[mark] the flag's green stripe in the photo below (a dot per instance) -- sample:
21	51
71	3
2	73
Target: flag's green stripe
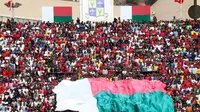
62	18
141	18
156	101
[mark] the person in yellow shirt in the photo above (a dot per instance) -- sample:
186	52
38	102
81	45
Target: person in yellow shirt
198	101
48	69
94	56
98	64
197	33
198	71
141	60
184	49
192	32
91	56
182	77
155	68
46	33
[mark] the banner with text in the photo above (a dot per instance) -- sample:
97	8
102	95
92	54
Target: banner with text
96	10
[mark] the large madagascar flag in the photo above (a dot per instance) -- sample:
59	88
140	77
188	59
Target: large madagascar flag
57	14
136	13
101	95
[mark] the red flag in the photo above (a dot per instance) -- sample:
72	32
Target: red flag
5	73
179	1
10	4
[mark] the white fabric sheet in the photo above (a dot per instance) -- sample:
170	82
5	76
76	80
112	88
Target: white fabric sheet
47	14
75	96
125	12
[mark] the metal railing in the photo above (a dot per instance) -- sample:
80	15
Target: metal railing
18	19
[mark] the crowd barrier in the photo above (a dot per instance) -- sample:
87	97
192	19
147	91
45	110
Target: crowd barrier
18	19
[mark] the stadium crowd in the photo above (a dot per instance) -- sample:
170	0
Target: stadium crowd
34	57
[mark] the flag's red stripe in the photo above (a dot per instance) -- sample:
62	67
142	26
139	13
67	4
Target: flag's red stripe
62	11
9	3
127	87
140	10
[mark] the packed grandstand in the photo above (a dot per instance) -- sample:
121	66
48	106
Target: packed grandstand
35	57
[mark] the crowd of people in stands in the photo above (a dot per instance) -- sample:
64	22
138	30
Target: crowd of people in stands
34	57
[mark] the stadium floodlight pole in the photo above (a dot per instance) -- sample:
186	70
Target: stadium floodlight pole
195	2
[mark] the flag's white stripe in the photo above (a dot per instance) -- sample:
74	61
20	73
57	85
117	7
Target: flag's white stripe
47	14
75	96
125	12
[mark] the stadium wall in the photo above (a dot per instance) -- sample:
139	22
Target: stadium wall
32	9
167	9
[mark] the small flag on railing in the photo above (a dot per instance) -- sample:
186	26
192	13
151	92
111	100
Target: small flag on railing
10	4
179	1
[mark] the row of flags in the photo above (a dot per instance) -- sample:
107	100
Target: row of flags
10	3
94	10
